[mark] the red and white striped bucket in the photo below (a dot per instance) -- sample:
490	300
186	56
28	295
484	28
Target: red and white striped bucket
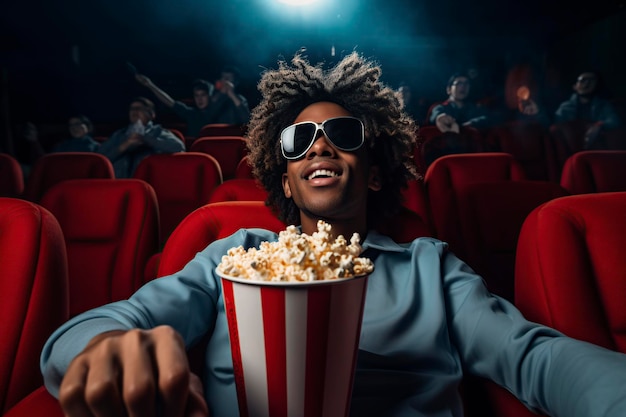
294	345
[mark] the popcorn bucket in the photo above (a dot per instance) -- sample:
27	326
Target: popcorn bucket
294	345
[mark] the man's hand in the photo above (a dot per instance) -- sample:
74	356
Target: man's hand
127	373
134	140
592	133
446	123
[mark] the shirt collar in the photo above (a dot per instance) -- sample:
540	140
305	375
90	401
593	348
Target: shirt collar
375	240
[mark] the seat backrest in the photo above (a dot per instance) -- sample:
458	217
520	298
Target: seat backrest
228	150
111	228
244	169
182	181
415	199
595	172
11	176
530	144
570	267
56	167
567	139
434	144
446	174
34	288
209	223
238	190
222	129
491	215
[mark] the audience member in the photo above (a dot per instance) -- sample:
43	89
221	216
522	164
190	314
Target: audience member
28	149
586	105
227	106
80	137
412	106
334	145
195	117
457	110
126	147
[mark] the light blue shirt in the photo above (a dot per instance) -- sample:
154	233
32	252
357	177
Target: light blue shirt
427	317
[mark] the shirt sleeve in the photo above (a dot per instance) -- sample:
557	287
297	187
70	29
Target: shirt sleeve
162	140
110	147
437	110
545	369
185	301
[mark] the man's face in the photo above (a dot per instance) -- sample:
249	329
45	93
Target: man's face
78	129
586	84
228	76
139	111
459	90
327	183
201	98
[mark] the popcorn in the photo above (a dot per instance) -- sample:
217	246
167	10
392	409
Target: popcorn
298	257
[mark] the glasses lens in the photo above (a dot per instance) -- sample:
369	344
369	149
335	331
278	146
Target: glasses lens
345	133
296	139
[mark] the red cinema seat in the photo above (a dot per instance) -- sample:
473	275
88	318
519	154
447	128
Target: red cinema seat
570	267
228	150
245	189
244	169
595	172
222	129
34	288
434	144
491	215
444	177
567	138
56	167
415	199
209	223
111	229
182	181
531	145
11	176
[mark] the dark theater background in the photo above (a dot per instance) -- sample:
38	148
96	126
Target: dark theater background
59	58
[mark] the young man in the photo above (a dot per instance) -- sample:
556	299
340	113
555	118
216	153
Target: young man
195	117
227	106
457	110
332	145
586	105
128	146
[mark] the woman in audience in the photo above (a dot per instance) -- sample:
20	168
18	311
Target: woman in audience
80	140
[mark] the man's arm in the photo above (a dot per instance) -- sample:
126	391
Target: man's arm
160	94
162	140
543	368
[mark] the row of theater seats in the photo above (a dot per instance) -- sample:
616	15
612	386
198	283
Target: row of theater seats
182	181
568	274
542	151
477	203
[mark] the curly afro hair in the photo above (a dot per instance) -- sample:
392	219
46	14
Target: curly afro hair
353	83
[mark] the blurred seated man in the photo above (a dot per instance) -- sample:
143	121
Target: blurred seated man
80	140
195	117
587	105
457	110
128	146
228	106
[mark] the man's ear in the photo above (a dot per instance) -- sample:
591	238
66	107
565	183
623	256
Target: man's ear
286	188
374	182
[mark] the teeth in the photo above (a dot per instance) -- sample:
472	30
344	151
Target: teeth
322	173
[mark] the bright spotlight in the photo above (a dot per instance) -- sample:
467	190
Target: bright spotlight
297	2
